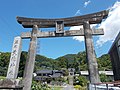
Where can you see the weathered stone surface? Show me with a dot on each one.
(27, 79)
(34, 23)
(11, 84)
(66, 33)
(90, 52)
(14, 59)
(93, 18)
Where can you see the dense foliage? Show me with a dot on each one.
(77, 61)
(39, 86)
(105, 78)
(4, 61)
(104, 63)
(80, 80)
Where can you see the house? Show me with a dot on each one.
(46, 75)
(115, 57)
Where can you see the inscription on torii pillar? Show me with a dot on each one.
(59, 25)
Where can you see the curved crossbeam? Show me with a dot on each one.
(93, 18)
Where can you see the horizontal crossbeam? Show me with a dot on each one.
(67, 33)
(94, 18)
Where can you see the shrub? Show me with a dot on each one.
(80, 80)
(39, 86)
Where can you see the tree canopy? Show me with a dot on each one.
(77, 61)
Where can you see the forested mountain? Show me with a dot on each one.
(4, 61)
(77, 61)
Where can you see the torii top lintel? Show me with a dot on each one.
(93, 18)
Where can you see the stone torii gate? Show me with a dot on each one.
(59, 25)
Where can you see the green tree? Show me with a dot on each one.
(81, 57)
(22, 63)
(80, 80)
(104, 62)
(39, 86)
(4, 62)
(105, 78)
(62, 62)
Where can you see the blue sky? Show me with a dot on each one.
(51, 47)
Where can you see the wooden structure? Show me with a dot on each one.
(115, 85)
(115, 57)
(44, 75)
(59, 25)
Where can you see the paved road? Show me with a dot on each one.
(68, 87)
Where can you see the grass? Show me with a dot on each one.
(2, 77)
(57, 88)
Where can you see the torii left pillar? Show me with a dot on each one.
(29, 67)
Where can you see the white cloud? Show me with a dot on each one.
(86, 3)
(78, 38)
(111, 25)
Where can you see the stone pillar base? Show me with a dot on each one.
(11, 84)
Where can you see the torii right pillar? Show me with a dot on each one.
(90, 54)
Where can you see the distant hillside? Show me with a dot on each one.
(41, 62)
(77, 61)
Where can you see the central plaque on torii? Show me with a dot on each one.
(59, 25)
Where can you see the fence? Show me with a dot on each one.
(105, 86)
